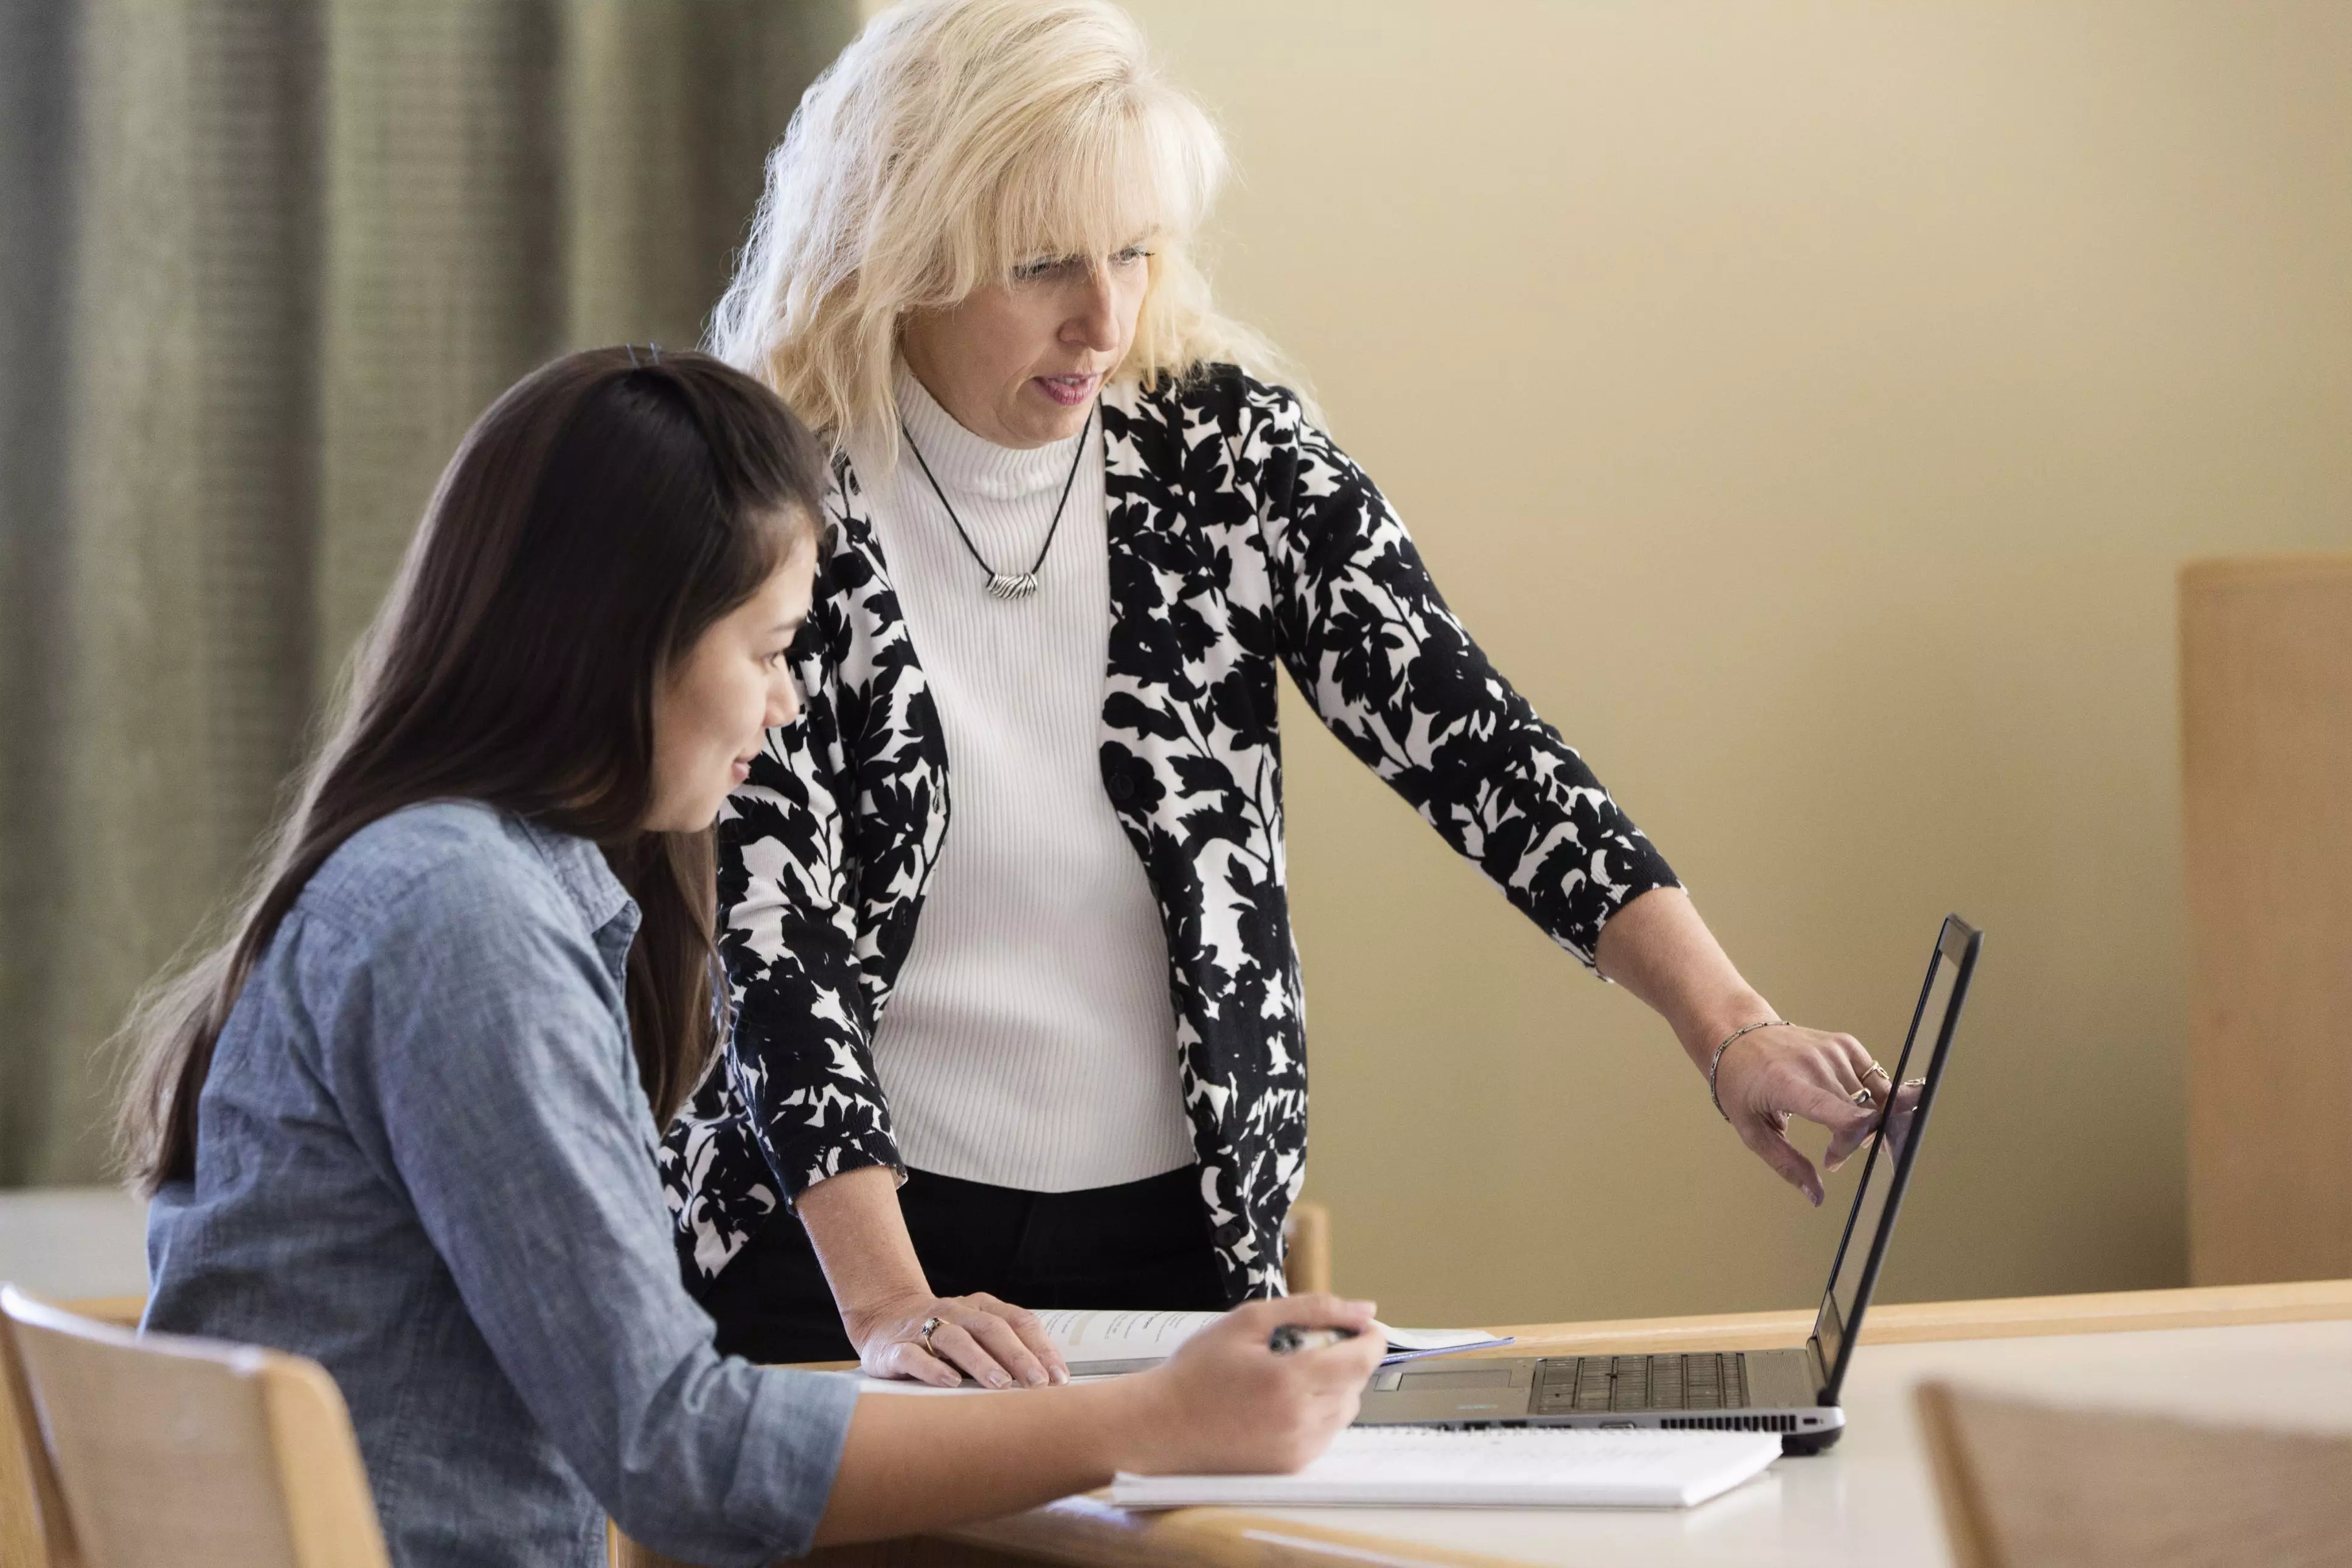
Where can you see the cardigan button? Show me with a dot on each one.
(1121, 786)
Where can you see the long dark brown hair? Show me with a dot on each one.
(602, 514)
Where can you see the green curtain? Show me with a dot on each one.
(261, 263)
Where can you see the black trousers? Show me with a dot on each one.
(1140, 1243)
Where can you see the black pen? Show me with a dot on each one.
(1291, 1337)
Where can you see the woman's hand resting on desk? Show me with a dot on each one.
(996, 1343)
(852, 1221)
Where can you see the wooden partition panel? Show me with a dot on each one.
(2266, 745)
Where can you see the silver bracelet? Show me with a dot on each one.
(1743, 1029)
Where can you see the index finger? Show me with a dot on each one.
(1347, 1364)
(1032, 1333)
(998, 1338)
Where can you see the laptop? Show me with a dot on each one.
(1791, 1392)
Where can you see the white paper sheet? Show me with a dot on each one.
(1097, 1341)
(1406, 1467)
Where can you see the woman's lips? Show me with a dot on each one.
(1069, 391)
(742, 770)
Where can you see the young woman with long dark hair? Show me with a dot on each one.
(403, 1118)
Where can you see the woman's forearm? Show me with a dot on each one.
(860, 1236)
(1659, 948)
(913, 1463)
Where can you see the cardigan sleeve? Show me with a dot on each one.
(1397, 678)
(799, 1058)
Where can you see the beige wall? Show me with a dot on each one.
(1807, 404)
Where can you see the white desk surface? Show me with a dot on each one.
(2275, 1355)
(1869, 1500)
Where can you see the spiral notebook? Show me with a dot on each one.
(1525, 1466)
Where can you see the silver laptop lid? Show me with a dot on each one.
(1886, 1170)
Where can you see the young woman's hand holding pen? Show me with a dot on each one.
(1229, 1402)
(1226, 1401)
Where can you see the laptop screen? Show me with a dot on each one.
(1886, 1168)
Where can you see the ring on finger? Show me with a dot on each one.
(1877, 1071)
(1862, 1097)
(930, 1327)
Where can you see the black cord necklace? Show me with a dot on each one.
(1006, 584)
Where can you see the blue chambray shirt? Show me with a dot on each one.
(424, 1160)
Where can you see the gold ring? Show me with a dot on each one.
(1862, 1097)
(1880, 1071)
(930, 1326)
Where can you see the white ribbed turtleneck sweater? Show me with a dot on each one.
(1030, 1041)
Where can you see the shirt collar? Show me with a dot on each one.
(582, 872)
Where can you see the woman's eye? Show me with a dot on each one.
(1130, 256)
(1039, 267)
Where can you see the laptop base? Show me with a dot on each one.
(1736, 1391)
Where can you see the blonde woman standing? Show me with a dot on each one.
(1005, 909)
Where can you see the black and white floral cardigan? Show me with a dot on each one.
(1241, 537)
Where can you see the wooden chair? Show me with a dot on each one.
(148, 1451)
(1307, 1234)
(20, 1516)
(21, 1545)
(2029, 1486)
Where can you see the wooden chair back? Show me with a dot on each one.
(1306, 1236)
(2029, 1486)
(147, 1450)
(21, 1545)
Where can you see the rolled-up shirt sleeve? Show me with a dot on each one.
(508, 1100)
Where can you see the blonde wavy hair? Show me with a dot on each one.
(951, 141)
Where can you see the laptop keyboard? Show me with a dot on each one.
(1568, 1383)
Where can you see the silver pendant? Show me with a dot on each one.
(1012, 585)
